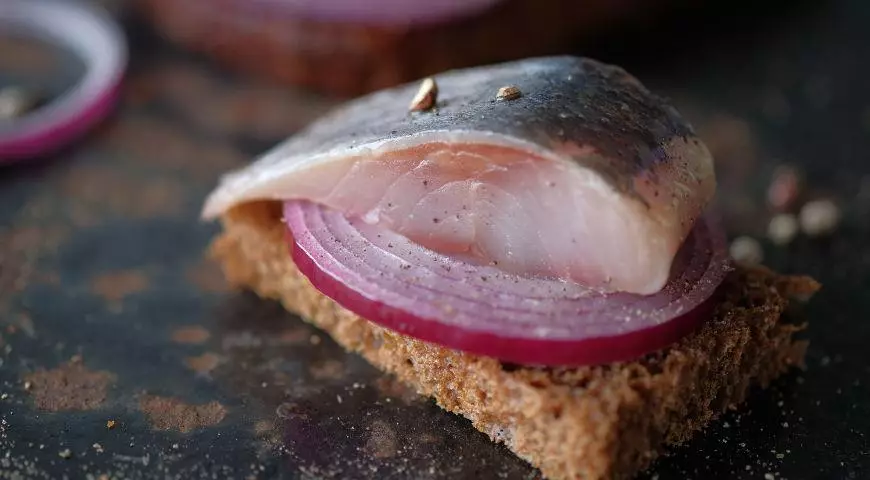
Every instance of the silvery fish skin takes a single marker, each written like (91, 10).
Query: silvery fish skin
(586, 176)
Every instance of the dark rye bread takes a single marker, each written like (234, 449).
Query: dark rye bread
(607, 421)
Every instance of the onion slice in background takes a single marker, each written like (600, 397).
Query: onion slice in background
(87, 33)
(376, 12)
(400, 285)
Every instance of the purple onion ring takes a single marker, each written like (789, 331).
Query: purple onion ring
(391, 281)
(379, 12)
(98, 41)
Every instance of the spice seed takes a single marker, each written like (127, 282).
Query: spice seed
(819, 217)
(508, 93)
(746, 250)
(782, 228)
(426, 97)
(784, 188)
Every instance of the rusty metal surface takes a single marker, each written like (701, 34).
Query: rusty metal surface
(110, 313)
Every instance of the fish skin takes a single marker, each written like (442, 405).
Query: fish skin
(595, 123)
(565, 101)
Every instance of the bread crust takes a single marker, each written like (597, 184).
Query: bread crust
(600, 422)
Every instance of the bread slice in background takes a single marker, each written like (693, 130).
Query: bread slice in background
(607, 421)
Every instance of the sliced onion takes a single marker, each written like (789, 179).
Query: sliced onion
(393, 282)
(91, 35)
(378, 12)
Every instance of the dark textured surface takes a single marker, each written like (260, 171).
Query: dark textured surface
(100, 255)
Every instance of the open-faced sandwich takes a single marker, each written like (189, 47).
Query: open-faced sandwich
(527, 243)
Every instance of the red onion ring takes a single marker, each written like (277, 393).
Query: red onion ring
(400, 285)
(91, 35)
(378, 12)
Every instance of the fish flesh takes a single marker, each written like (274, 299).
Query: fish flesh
(585, 176)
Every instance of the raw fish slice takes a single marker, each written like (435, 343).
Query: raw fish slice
(587, 176)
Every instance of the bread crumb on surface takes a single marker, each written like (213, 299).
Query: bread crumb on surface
(819, 217)
(785, 187)
(69, 386)
(746, 250)
(782, 229)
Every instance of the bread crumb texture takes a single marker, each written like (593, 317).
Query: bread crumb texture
(607, 421)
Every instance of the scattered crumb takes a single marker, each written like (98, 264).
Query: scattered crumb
(98, 447)
(746, 250)
(782, 228)
(244, 339)
(98, 190)
(427, 437)
(21, 321)
(110, 424)
(289, 410)
(191, 335)
(166, 413)
(206, 276)
(114, 286)
(65, 453)
(769, 476)
(4, 396)
(70, 386)
(784, 188)
(203, 364)
(262, 427)
(295, 336)
(27, 385)
(327, 370)
(390, 387)
(382, 441)
(819, 217)
(315, 340)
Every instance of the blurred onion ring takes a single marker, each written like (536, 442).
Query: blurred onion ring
(91, 35)
(378, 12)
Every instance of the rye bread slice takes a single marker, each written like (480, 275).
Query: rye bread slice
(606, 421)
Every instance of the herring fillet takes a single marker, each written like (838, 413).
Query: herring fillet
(587, 176)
